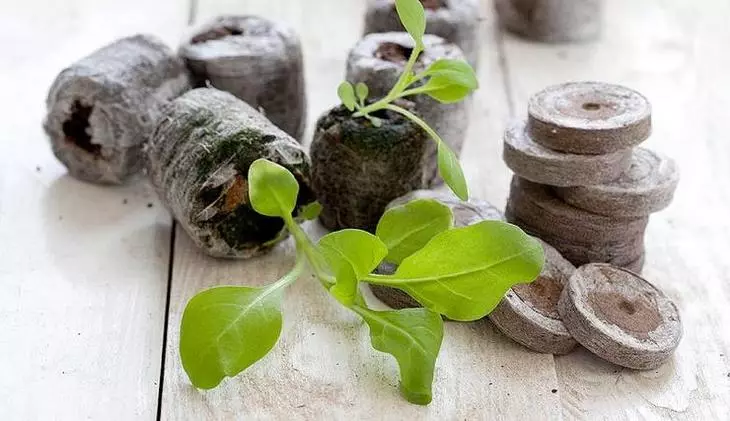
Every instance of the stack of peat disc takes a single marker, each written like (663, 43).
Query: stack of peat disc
(580, 183)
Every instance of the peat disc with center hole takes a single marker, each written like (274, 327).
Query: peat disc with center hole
(619, 316)
(589, 118)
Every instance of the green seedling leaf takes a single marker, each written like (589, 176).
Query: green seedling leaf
(226, 329)
(406, 229)
(347, 95)
(413, 336)
(311, 211)
(272, 189)
(351, 255)
(451, 171)
(413, 17)
(463, 273)
(362, 92)
(450, 81)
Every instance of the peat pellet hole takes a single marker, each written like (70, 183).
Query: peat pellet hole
(76, 129)
(392, 52)
(638, 316)
(591, 106)
(216, 33)
(543, 294)
(433, 4)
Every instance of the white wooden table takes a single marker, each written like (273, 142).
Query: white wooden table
(93, 280)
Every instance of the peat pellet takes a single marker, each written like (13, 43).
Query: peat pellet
(529, 312)
(552, 20)
(198, 159)
(101, 109)
(357, 168)
(465, 213)
(539, 164)
(537, 209)
(646, 187)
(589, 118)
(378, 61)
(457, 21)
(620, 317)
(255, 59)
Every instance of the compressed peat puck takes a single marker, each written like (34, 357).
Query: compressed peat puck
(255, 59)
(465, 214)
(198, 159)
(536, 209)
(529, 312)
(457, 21)
(646, 187)
(588, 118)
(620, 317)
(552, 20)
(357, 168)
(539, 164)
(102, 108)
(378, 61)
(626, 253)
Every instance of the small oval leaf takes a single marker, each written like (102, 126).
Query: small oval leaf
(362, 91)
(272, 189)
(451, 171)
(347, 95)
(413, 17)
(351, 255)
(407, 228)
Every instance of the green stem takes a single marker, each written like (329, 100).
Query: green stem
(422, 124)
(316, 261)
(292, 275)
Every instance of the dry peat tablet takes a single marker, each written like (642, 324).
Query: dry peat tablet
(647, 186)
(255, 59)
(378, 61)
(529, 312)
(620, 317)
(539, 164)
(198, 159)
(552, 20)
(589, 118)
(102, 108)
(540, 212)
(457, 21)
(465, 213)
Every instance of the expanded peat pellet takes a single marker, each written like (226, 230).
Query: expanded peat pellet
(620, 317)
(465, 214)
(588, 118)
(357, 168)
(255, 59)
(198, 159)
(529, 312)
(539, 164)
(552, 20)
(539, 211)
(378, 61)
(457, 21)
(101, 109)
(646, 187)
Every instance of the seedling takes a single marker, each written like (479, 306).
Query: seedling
(461, 273)
(447, 81)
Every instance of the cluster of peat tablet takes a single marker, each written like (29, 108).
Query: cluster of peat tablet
(611, 311)
(580, 182)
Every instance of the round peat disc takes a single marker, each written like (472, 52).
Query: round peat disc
(529, 312)
(647, 186)
(537, 163)
(619, 316)
(589, 117)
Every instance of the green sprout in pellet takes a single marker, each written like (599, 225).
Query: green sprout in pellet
(447, 81)
(460, 273)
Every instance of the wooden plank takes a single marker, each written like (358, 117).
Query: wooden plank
(83, 269)
(676, 54)
(323, 366)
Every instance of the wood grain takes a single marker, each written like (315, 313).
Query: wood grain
(674, 53)
(83, 272)
(323, 366)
